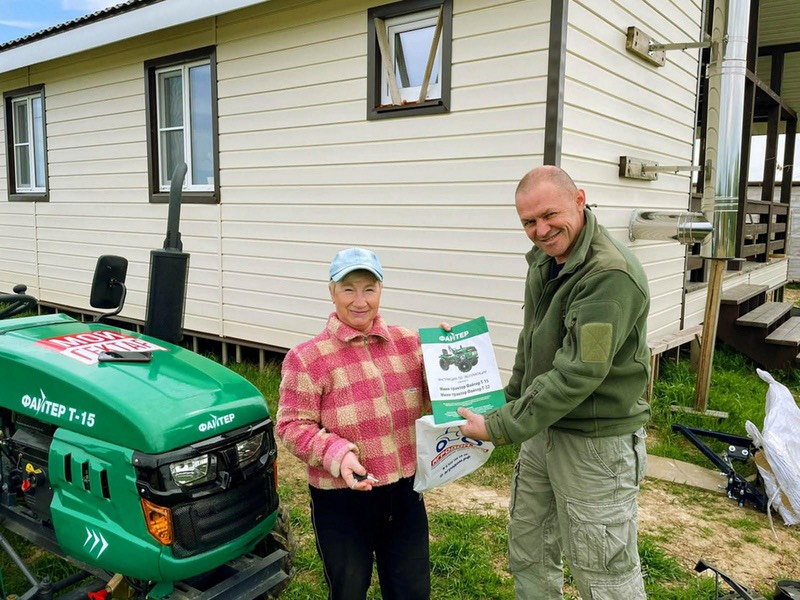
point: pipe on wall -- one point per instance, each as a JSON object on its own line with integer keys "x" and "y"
{"x": 680, "y": 226}
{"x": 727, "y": 73}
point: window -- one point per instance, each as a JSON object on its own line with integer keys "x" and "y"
{"x": 409, "y": 58}
{"x": 25, "y": 144}
{"x": 182, "y": 125}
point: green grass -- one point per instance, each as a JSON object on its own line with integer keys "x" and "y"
{"x": 468, "y": 556}
{"x": 39, "y": 562}
{"x": 793, "y": 286}
{"x": 734, "y": 389}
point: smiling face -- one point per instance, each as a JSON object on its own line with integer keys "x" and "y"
{"x": 357, "y": 297}
{"x": 551, "y": 212}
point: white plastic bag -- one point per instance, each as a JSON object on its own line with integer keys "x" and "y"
{"x": 779, "y": 441}
{"x": 444, "y": 455}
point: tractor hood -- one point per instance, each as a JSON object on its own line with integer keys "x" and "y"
{"x": 50, "y": 371}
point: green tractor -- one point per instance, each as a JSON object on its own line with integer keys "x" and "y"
{"x": 129, "y": 455}
{"x": 134, "y": 458}
{"x": 463, "y": 358}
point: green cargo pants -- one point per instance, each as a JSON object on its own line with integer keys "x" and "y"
{"x": 577, "y": 495}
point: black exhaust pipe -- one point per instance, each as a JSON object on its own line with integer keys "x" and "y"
{"x": 169, "y": 272}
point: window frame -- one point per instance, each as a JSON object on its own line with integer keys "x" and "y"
{"x": 34, "y": 194}
{"x": 398, "y": 11}
{"x": 153, "y": 68}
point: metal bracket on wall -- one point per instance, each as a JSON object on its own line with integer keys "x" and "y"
{"x": 639, "y": 168}
{"x": 644, "y": 46}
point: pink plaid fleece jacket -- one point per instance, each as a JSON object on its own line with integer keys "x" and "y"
{"x": 346, "y": 390}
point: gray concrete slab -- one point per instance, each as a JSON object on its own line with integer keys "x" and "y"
{"x": 669, "y": 469}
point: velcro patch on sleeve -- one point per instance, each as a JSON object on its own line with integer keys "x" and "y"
{"x": 596, "y": 342}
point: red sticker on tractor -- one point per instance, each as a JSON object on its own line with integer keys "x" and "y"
{"x": 84, "y": 347}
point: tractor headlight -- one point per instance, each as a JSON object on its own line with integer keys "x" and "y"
{"x": 249, "y": 450}
{"x": 194, "y": 470}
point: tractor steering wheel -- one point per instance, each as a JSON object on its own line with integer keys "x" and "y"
{"x": 17, "y": 302}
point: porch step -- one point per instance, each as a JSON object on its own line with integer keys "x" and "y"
{"x": 741, "y": 293}
{"x": 765, "y": 315}
{"x": 787, "y": 334}
{"x": 763, "y": 331}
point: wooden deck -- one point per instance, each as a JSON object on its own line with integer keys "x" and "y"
{"x": 660, "y": 345}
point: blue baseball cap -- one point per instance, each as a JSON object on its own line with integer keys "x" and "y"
{"x": 355, "y": 259}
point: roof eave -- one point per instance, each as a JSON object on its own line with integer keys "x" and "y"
{"x": 130, "y": 24}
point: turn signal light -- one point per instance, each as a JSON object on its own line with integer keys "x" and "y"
{"x": 159, "y": 522}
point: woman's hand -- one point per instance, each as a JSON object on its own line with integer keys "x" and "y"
{"x": 351, "y": 467}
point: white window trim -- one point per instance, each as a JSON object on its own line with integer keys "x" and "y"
{"x": 31, "y": 144}
{"x": 186, "y": 127}
{"x": 389, "y": 28}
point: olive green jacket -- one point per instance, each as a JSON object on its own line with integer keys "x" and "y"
{"x": 582, "y": 360}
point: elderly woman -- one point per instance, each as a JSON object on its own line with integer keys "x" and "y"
{"x": 348, "y": 402}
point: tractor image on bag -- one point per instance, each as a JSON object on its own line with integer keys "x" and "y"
{"x": 463, "y": 358}
{"x": 135, "y": 459}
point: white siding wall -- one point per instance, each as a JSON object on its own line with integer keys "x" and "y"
{"x": 303, "y": 173}
{"x": 617, "y": 104}
{"x": 97, "y": 162}
{"x": 794, "y": 237}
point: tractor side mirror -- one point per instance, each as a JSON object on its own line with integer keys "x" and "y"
{"x": 108, "y": 284}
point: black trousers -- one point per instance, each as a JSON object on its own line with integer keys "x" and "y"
{"x": 389, "y": 523}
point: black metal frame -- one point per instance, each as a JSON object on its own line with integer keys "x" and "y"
{"x": 740, "y": 448}
{"x": 249, "y": 576}
{"x": 741, "y": 591}
{"x": 44, "y": 537}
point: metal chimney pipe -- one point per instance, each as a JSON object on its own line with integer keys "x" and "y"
{"x": 725, "y": 122}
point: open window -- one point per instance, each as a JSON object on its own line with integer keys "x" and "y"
{"x": 409, "y": 58}
{"x": 182, "y": 124}
{"x": 26, "y": 149}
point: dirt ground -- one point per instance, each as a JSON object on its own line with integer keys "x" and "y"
{"x": 687, "y": 523}
{"x": 791, "y": 295}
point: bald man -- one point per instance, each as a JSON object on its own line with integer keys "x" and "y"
{"x": 574, "y": 401}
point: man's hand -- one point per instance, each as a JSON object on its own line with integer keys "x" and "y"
{"x": 350, "y": 466}
{"x": 475, "y": 427}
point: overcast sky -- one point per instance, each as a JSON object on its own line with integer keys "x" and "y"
{"x": 21, "y": 17}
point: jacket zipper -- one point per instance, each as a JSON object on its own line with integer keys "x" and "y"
{"x": 571, "y": 330}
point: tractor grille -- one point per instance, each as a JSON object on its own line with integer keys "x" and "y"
{"x": 209, "y": 514}
{"x": 205, "y": 524}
